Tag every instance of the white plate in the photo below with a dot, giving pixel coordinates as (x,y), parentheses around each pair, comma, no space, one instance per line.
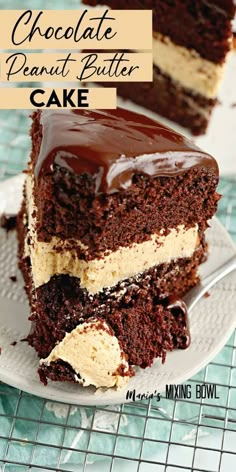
(211,323)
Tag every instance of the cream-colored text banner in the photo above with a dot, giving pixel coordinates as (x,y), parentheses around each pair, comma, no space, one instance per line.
(26,98)
(76,29)
(99,67)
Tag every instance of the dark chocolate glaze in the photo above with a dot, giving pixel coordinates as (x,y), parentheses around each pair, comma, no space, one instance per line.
(113,145)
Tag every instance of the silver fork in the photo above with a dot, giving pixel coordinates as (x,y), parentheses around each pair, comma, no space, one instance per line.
(196,293)
(191,298)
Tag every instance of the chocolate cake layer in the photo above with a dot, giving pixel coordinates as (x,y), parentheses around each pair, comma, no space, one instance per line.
(67,208)
(205,25)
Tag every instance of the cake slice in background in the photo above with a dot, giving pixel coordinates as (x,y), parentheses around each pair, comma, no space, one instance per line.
(191,41)
(111,233)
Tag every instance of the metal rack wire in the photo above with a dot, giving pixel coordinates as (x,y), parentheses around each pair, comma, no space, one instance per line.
(168,436)
(214,420)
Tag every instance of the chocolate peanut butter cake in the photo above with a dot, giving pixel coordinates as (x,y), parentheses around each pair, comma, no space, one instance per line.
(191,41)
(111,233)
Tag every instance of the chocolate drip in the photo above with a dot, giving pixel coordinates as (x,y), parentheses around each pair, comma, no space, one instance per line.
(177,306)
(8,222)
(114,145)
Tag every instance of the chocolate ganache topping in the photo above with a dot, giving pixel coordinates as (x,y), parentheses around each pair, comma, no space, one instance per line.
(113,145)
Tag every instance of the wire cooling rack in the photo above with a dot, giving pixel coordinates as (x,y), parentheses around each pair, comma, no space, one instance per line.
(168,436)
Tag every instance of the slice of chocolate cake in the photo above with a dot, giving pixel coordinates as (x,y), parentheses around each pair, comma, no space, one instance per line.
(111,229)
(191,41)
